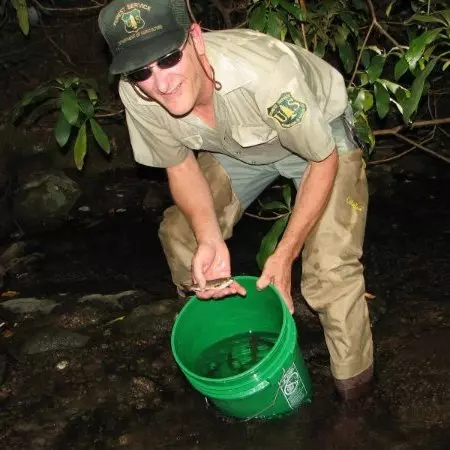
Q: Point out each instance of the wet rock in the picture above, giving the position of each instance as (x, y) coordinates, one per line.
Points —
(142, 393)
(51, 340)
(80, 318)
(155, 318)
(19, 257)
(112, 300)
(29, 305)
(45, 199)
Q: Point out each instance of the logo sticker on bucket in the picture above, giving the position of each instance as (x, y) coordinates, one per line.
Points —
(292, 387)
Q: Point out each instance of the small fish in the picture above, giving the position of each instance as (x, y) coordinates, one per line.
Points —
(217, 284)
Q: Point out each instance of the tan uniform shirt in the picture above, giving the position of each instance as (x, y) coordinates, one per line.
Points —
(276, 99)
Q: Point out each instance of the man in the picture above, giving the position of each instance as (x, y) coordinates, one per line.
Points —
(254, 108)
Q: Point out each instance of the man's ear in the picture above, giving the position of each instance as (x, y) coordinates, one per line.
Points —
(197, 38)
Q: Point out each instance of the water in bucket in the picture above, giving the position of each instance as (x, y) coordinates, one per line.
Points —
(234, 355)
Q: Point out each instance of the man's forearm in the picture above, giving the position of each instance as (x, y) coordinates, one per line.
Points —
(192, 195)
(310, 202)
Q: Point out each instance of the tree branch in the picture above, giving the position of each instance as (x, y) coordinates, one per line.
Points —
(422, 147)
(417, 124)
(374, 23)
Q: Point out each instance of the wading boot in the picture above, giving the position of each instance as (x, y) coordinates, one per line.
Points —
(355, 387)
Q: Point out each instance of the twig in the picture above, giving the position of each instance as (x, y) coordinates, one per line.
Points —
(64, 53)
(393, 158)
(302, 26)
(380, 28)
(112, 114)
(358, 60)
(374, 23)
(422, 147)
(417, 124)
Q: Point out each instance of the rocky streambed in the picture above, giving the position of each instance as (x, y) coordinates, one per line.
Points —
(87, 308)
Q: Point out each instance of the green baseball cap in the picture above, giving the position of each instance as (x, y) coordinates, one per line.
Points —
(140, 32)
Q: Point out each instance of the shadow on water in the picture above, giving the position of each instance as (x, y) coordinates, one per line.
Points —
(123, 389)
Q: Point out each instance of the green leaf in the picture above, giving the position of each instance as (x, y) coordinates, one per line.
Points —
(363, 101)
(418, 45)
(293, 9)
(347, 55)
(391, 86)
(363, 130)
(70, 106)
(36, 95)
(91, 82)
(287, 195)
(411, 104)
(320, 49)
(360, 5)
(445, 14)
(22, 15)
(382, 99)
(80, 147)
(62, 130)
(100, 136)
(375, 49)
(30, 98)
(92, 95)
(365, 59)
(364, 79)
(270, 241)
(348, 18)
(275, 25)
(68, 82)
(426, 18)
(401, 67)
(87, 107)
(376, 68)
(389, 8)
(294, 32)
(43, 108)
(258, 18)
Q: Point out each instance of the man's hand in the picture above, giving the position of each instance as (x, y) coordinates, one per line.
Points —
(211, 261)
(277, 271)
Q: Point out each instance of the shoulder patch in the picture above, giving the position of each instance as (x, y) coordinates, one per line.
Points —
(287, 110)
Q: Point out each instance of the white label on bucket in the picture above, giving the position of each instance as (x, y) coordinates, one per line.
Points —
(292, 387)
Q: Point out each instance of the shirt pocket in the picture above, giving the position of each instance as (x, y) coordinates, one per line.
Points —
(251, 135)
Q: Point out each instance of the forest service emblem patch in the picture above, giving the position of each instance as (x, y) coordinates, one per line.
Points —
(287, 111)
(133, 21)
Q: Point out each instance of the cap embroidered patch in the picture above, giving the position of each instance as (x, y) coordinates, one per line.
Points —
(133, 21)
(287, 110)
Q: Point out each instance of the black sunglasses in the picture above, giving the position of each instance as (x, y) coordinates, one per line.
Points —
(165, 62)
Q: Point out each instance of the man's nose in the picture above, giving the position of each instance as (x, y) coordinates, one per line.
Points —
(161, 79)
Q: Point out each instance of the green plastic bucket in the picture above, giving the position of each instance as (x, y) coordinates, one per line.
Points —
(242, 353)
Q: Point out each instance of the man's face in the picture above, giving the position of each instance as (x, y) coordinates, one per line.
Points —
(178, 88)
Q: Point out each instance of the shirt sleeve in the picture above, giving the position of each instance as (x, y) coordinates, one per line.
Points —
(152, 143)
(288, 106)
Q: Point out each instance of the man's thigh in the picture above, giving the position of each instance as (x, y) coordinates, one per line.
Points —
(249, 181)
